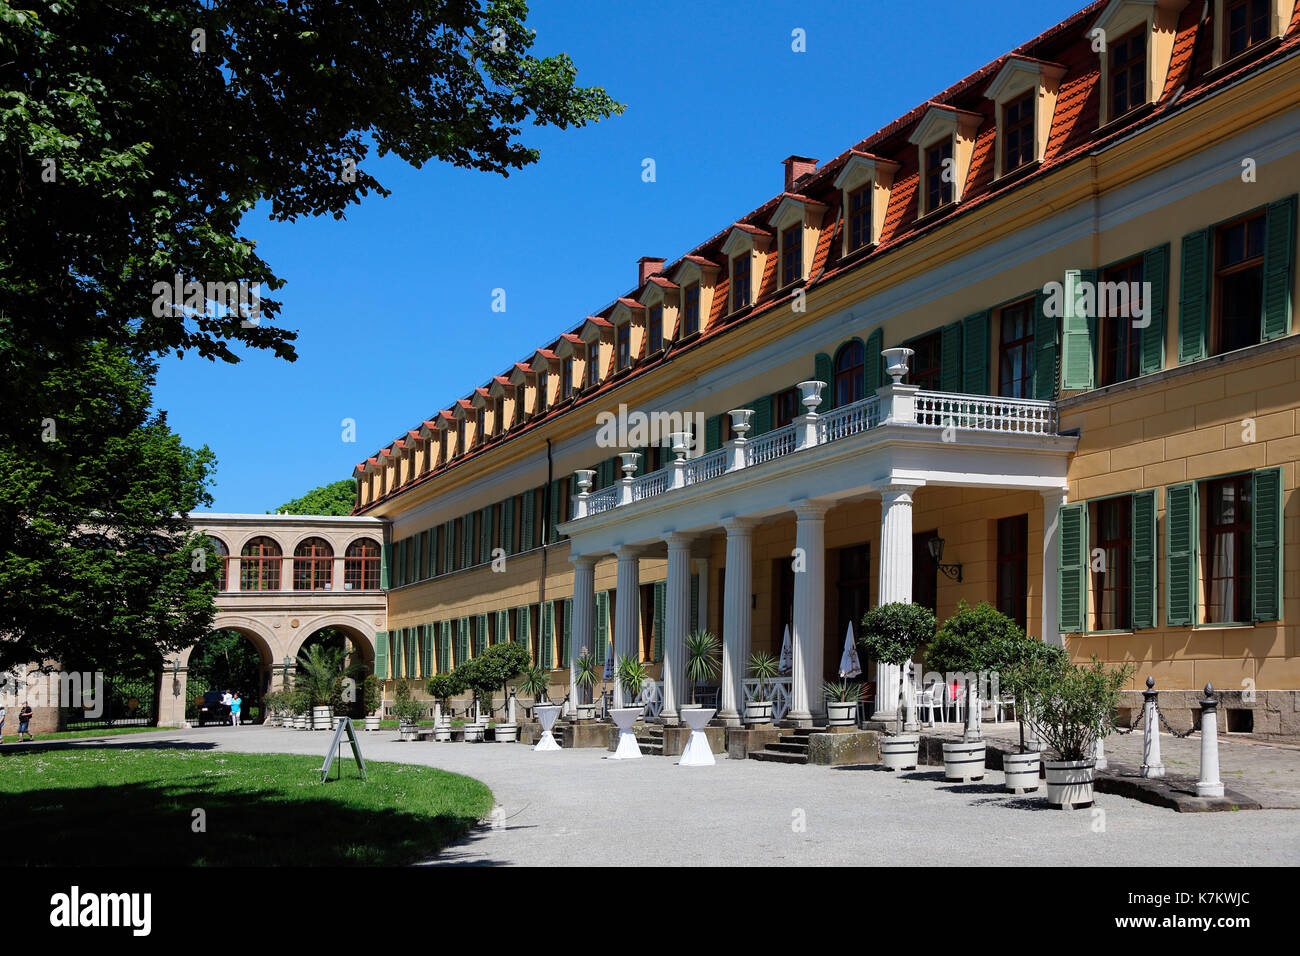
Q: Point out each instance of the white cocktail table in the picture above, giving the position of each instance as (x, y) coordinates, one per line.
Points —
(625, 717)
(697, 752)
(546, 716)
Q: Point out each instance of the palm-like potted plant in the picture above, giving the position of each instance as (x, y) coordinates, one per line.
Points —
(632, 674)
(766, 668)
(319, 671)
(408, 712)
(1071, 706)
(534, 682)
(893, 633)
(702, 663)
(586, 676)
(842, 703)
(372, 694)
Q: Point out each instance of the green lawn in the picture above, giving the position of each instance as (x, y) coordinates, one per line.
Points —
(12, 738)
(135, 806)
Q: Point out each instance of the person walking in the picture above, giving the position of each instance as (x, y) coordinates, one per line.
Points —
(24, 719)
(236, 704)
(2, 723)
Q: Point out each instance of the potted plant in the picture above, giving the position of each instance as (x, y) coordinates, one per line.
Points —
(1021, 770)
(842, 703)
(766, 668)
(300, 707)
(408, 712)
(273, 701)
(632, 674)
(442, 688)
(586, 676)
(319, 671)
(702, 664)
(372, 695)
(1071, 705)
(534, 681)
(893, 633)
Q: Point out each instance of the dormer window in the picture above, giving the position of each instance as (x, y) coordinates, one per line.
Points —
(460, 436)
(1128, 73)
(655, 329)
(864, 185)
(593, 364)
(1024, 92)
(691, 309)
(1139, 43)
(543, 387)
(740, 290)
(1018, 132)
(624, 345)
(791, 254)
(945, 140)
(479, 434)
(859, 217)
(1246, 25)
(566, 378)
(499, 414)
(797, 223)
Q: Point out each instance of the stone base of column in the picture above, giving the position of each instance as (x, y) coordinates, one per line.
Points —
(667, 719)
(727, 718)
(799, 719)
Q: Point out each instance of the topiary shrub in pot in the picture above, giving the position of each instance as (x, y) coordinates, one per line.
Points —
(893, 633)
(1071, 705)
(372, 696)
(408, 712)
(442, 688)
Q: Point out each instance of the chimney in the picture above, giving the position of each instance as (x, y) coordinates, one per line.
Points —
(797, 167)
(646, 267)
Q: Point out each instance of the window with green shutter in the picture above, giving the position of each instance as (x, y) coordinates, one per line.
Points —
(975, 353)
(426, 650)
(1279, 269)
(384, 565)
(467, 541)
(444, 647)
(548, 635)
(566, 633)
(1071, 565)
(485, 535)
(661, 599)
(1045, 350)
(1266, 543)
(462, 640)
(1155, 270)
(508, 525)
(412, 652)
(874, 362)
(503, 627)
(522, 631)
(1181, 524)
(713, 433)
(762, 420)
(381, 655)
(449, 547)
(601, 626)
(397, 645)
(824, 371)
(480, 634)
(1144, 560)
(1077, 331)
(530, 520)
(1194, 296)
(556, 509)
(951, 374)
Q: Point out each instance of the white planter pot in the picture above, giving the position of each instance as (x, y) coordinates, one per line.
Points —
(507, 733)
(474, 732)
(963, 761)
(1069, 782)
(758, 712)
(408, 732)
(1021, 771)
(320, 718)
(338, 722)
(442, 732)
(372, 722)
(300, 721)
(841, 713)
(899, 752)
(586, 711)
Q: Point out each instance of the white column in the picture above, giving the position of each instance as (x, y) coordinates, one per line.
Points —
(895, 583)
(701, 566)
(677, 620)
(1053, 499)
(807, 636)
(627, 612)
(580, 630)
(736, 616)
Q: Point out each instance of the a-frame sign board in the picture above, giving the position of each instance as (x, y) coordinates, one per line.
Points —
(336, 749)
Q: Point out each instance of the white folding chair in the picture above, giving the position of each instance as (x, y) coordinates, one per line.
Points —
(957, 696)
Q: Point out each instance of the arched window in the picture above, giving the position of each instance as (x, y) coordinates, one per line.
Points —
(850, 372)
(313, 565)
(222, 556)
(259, 566)
(361, 566)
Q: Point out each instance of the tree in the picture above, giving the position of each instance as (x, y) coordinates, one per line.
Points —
(226, 660)
(97, 562)
(982, 639)
(337, 498)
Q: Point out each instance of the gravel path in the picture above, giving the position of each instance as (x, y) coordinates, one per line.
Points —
(575, 806)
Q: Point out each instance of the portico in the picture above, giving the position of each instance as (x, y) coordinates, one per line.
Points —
(888, 448)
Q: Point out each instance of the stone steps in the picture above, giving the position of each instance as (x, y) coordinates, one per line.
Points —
(791, 748)
(650, 738)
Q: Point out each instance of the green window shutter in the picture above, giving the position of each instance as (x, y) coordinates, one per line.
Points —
(1076, 336)
(950, 371)
(1045, 377)
(713, 433)
(762, 420)
(1279, 270)
(467, 541)
(462, 641)
(1266, 540)
(1071, 567)
(695, 602)
(1155, 270)
(824, 371)
(530, 519)
(412, 652)
(522, 634)
(444, 648)
(548, 635)
(435, 550)
(566, 644)
(503, 627)
(381, 654)
(1143, 565)
(426, 651)
(601, 630)
(508, 525)
(386, 562)
(1194, 297)
(975, 354)
(449, 547)
(395, 649)
(556, 501)
(481, 634)
(485, 535)
(1181, 521)
(874, 362)
(661, 598)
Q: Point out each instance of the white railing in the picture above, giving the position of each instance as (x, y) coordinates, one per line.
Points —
(849, 420)
(605, 500)
(779, 690)
(984, 414)
(770, 445)
(712, 465)
(655, 483)
(650, 699)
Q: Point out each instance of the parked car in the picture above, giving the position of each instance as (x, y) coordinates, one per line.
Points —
(212, 710)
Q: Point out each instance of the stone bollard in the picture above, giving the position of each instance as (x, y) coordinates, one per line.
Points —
(1209, 784)
(1151, 765)
(911, 726)
(1099, 754)
(972, 732)
(512, 706)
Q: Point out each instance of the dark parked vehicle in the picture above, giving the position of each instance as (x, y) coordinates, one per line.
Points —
(212, 710)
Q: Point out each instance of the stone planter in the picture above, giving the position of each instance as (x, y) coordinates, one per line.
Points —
(372, 722)
(474, 732)
(408, 732)
(1021, 771)
(506, 733)
(300, 721)
(899, 752)
(1069, 783)
(442, 732)
(841, 713)
(320, 718)
(586, 712)
(758, 712)
(963, 761)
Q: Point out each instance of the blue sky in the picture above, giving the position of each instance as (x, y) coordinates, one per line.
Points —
(393, 304)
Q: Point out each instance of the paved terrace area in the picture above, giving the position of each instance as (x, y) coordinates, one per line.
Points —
(576, 807)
